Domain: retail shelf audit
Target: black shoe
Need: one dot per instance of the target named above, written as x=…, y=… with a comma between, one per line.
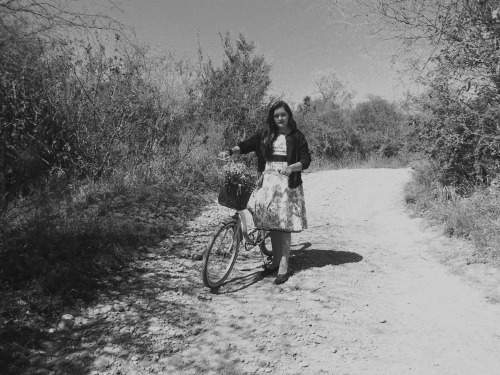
x=280, y=279
x=268, y=270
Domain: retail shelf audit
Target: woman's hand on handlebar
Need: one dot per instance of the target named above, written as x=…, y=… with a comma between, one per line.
x=223, y=154
x=229, y=152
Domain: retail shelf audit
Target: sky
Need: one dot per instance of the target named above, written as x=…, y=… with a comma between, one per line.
x=299, y=38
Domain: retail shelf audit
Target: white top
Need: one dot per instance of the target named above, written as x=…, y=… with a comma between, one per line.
x=279, y=146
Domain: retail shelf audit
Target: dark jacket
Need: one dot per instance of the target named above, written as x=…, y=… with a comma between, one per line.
x=296, y=150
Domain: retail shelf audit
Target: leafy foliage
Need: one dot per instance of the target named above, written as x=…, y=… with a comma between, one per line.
x=460, y=130
x=234, y=92
x=105, y=146
x=450, y=48
x=381, y=126
x=473, y=217
x=34, y=136
x=100, y=140
x=335, y=129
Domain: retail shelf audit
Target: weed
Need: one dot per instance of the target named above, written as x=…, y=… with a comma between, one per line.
x=474, y=216
x=356, y=161
x=55, y=248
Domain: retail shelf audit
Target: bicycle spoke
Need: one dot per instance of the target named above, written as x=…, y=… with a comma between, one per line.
x=221, y=255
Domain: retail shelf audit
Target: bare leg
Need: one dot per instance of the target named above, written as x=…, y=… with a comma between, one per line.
x=281, y=242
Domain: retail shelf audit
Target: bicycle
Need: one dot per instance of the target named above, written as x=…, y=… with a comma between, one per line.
x=219, y=258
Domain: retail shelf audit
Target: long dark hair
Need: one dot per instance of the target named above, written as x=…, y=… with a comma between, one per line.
x=271, y=131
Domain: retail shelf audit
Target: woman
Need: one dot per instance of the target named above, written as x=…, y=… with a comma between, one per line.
x=281, y=147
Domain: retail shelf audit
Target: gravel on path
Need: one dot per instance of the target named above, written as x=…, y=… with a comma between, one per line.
x=369, y=296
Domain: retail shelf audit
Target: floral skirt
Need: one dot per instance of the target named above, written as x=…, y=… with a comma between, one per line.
x=275, y=206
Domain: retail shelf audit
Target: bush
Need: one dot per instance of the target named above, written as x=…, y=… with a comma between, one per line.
x=474, y=217
x=35, y=137
x=372, y=129
x=234, y=93
x=464, y=142
x=380, y=125
x=104, y=151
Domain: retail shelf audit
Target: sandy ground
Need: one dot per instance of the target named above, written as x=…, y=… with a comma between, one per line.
x=370, y=295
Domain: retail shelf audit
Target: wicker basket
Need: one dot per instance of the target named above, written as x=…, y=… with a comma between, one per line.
x=236, y=189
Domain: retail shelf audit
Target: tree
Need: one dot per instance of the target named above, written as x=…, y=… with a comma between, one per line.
x=460, y=70
x=334, y=91
x=326, y=120
x=380, y=125
x=234, y=92
x=49, y=93
x=21, y=19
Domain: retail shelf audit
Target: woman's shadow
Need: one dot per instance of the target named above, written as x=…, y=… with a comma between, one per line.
x=302, y=257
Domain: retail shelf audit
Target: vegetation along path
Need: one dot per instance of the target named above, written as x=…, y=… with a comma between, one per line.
x=370, y=295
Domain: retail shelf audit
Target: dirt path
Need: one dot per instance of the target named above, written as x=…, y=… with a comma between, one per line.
x=368, y=297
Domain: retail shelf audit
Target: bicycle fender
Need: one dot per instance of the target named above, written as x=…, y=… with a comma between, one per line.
x=229, y=219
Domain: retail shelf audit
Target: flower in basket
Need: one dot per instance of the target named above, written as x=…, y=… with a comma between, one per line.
x=238, y=174
x=237, y=185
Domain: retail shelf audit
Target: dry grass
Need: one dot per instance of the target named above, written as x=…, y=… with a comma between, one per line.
x=356, y=162
x=475, y=217
x=58, y=245
x=57, y=255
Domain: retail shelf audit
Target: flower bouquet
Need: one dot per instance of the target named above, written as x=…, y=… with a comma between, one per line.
x=237, y=185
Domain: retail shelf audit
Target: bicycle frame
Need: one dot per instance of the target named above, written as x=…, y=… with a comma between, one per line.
x=217, y=263
x=241, y=220
x=244, y=227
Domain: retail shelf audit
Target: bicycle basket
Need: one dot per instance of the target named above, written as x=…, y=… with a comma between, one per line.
x=237, y=185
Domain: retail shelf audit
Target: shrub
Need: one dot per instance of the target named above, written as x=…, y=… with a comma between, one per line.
x=474, y=217
x=234, y=93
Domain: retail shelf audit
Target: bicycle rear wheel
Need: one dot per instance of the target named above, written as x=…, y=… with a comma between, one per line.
x=265, y=246
x=219, y=258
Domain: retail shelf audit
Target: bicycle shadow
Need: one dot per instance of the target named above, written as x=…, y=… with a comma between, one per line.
x=302, y=257
x=238, y=283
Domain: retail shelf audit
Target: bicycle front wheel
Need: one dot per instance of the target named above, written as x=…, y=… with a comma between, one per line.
x=219, y=258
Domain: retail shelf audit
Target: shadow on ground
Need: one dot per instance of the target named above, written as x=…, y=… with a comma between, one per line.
x=156, y=325
x=142, y=321
x=71, y=270
x=302, y=257
x=238, y=283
